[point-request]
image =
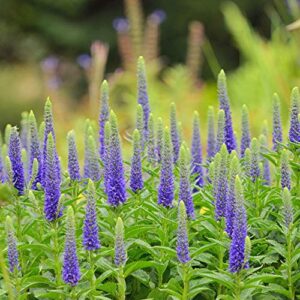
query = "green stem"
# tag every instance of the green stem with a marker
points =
(289, 265)
(221, 254)
(238, 286)
(56, 253)
(6, 277)
(121, 284)
(186, 284)
(92, 278)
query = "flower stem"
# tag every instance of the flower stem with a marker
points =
(56, 253)
(186, 285)
(221, 253)
(92, 277)
(238, 286)
(289, 264)
(121, 284)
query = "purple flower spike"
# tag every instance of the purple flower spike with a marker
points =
(158, 16)
(116, 190)
(277, 127)
(24, 132)
(294, 132)
(51, 181)
(185, 192)
(90, 229)
(73, 164)
(142, 91)
(237, 257)
(254, 167)
(225, 105)
(49, 128)
(106, 171)
(211, 139)
(246, 140)
(182, 246)
(70, 272)
(196, 152)
(160, 138)
(34, 149)
(14, 153)
(140, 125)
(174, 132)
(151, 151)
(230, 199)
(166, 184)
(221, 184)
(136, 175)
(266, 166)
(220, 133)
(104, 115)
(120, 251)
(285, 170)
(12, 251)
(288, 213)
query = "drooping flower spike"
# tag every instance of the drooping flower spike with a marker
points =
(182, 245)
(245, 140)
(90, 230)
(294, 132)
(166, 184)
(225, 105)
(136, 174)
(73, 164)
(116, 189)
(277, 127)
(237, 247)
(12, 251)
(104, 115)
(70, 271)
(196, 152)
(14, 153)
(185, 192)
(120, 250)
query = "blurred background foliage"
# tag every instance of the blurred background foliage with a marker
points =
(45, 51)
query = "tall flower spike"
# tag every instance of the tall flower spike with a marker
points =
(247, 163)
(120, 251)
(182, 245)
(174, 132)
(34, 149)
(73, 165)
(277, 127)
(70, 271)
(225, 105)
(160, 138)
(12, 251)
(266, 166)
(214, 176)
(51, 181)
(14, 153)
(117, 187)
(288, 214)
(87, 155)
(221, 182)
(151, 151)
(239, 234)
(254, 169)
(106, 172)
(166, 184)
(196, 152)
(143, 98)
(231, 201)
(294, 132)
(136, 174)
(49, 128)
(7, 133)
(220, 132)
(245, 140)
(140, 124)
(103, 116)
(185, 192)
(211, 139)
(90, 229)
(285, 170)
